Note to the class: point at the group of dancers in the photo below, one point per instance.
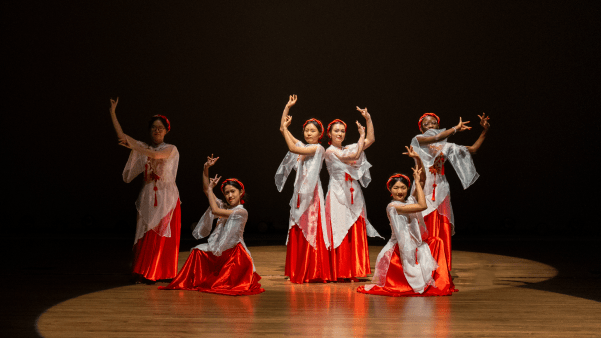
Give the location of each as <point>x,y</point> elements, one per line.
<point>327,237</point>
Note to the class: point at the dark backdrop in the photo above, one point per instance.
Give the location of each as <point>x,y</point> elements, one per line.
<point>222,72</point>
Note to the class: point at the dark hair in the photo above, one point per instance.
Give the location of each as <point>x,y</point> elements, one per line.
<point>163,121</point>
<point>317,125</point>
<point>401,179</point>
<point>243,199</point>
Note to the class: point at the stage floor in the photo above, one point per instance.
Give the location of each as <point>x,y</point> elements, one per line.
<point>495,299</point>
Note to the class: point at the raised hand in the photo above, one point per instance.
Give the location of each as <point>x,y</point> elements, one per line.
<point>211,161</point>
<point>484,121</point>
<point>361,129</point>
<point>114,104</point>
<point>364,112</point>
<point>123,142</point>
<point>417,172</point>
<point>410,152</point>
<point>213,182</point>
<point>291,101</point>
<point>287,121</point>
<point>461,126</point>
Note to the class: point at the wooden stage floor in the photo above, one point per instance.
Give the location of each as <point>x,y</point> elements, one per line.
<point>495,300</point>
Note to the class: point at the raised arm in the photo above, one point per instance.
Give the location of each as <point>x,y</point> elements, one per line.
<point>291,141</point>
<point>461,126</point>
<point>286,119</point>
<point>419,192</point>
<point>205,172</point>
<point>484,123</point>
<point>120,134</point>
<point>215,209</point>
<point>352,157</point>
<point>369,137</point>
<point>418,163</point>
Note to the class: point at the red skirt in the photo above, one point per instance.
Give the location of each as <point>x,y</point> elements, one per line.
<point>229,274</point>
<point>439,241</point>
<point>304,263</point>
<point>397,285</point>
<point>155,257</point>
<point>351,258</point>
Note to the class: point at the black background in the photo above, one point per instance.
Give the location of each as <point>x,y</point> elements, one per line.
<point>222,72</point>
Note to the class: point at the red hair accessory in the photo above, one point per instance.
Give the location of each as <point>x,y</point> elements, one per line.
<point>240,183</point>
<point>333,123</point>
<point>166,120</point>
<point>419,124</point>
<point>395,176</point>
<point>318,122</point>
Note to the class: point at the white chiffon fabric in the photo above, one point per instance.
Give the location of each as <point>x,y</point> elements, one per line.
<point>343,206</point>
<point>228,231</point>
<point>407,232</point>
<point>433,156</point>
<point>155,207</point>
<point>305,185</point>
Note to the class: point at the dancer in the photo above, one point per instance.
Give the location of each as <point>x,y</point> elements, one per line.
<point>405,265</point>
<point>156,245</point>
<point>433,149</point>
<point>345,206</point>
<point>223,265</point>
<point>307,253</point>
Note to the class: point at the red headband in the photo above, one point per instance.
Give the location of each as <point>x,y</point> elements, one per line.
<point>419,124</point>
<point>166,120</point>
<point>240,183</point>
<point>395,176</point>
<point>333,123</point>
<point>318,122</point>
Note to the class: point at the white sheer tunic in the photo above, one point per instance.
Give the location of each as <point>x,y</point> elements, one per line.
<point>305,185</point>
<point>433,156</point>
<point>228,231</point>
<point>345,202</point>
<point>159,195</point>
<point>407,231</point>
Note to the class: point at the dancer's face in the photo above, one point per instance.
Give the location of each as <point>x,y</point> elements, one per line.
<point>157,132</point>
<point>312,134</point>
<point>429,122</point>
<point>399,191</point>
<point>232,195</point>
<point>337,134</point>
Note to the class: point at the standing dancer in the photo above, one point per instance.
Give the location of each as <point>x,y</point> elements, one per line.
<point>156,245</point>
<point>345,206</point>
<point>405,265</point>
<point>223,265</point>
<point>433,149</point>
<point>307,253</point>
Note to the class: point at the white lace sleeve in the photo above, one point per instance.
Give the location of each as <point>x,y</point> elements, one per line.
<point>135,164</point>
<point>462,162</point>
<point>290,162</point>
<point>359,169</point>
<point>230,234</point>
<point>204,226</point>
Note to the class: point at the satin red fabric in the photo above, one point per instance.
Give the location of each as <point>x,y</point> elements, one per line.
<point>304,263</point>
<point>155,257</point>
<point>397,285</point>
<point>440,227</point>
<point>229,274</point>
<point>439,241</point>
<point>351,258</point>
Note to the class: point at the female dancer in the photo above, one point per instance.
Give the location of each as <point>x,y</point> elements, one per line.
<point>434,150</point>
<point>345,206</point>
<point>223,265</point>
<point>307,254</point>
<point>405,265</point>
<point>156,245</point>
